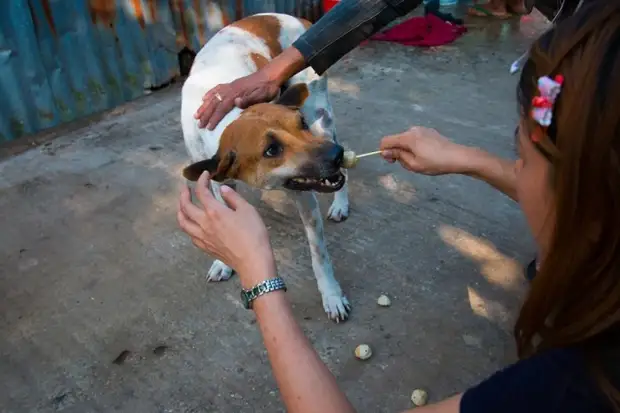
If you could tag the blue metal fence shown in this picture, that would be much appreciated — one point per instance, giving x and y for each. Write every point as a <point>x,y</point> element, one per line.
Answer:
<point>64,59</point>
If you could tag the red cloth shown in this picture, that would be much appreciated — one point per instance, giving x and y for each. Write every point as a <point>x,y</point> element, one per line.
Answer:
<point>425,31</point>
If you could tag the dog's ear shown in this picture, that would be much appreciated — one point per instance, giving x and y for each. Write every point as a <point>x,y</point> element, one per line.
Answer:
<point>217,167</point>
<point>295,96</point>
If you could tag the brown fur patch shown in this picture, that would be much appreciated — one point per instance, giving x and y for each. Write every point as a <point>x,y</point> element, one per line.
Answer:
<point>294,96</point>
<point>266,27</point>
<point>305,22</point>
<point>256,128</point>
<point>259,60</point>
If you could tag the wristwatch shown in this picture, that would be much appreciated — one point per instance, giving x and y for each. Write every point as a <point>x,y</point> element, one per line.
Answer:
<point>267,286</point>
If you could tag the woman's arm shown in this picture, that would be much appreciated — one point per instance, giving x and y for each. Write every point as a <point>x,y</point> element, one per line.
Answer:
<point>306,384</point>
<point>236,234</point>
<point>426,151</point>
<point>495,171</point>
<point>299,372</point>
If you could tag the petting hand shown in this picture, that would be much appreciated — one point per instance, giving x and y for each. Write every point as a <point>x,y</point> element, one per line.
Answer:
<point>424,151</point>
<point>243,92</point>
<point>233,233</point>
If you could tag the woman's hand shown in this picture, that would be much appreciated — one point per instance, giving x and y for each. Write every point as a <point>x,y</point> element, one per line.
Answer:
<point>243,92</point>
<point>234,233</point>
<point>425,151</point>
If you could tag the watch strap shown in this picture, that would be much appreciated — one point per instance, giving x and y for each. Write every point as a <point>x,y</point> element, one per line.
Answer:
<point>272,284</point>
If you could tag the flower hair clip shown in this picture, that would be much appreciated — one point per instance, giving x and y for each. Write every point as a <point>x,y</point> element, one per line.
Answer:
<point>542,105</point>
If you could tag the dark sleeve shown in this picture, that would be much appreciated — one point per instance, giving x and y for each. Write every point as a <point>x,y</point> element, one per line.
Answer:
<point>554,381</point>
<point>345,26</point>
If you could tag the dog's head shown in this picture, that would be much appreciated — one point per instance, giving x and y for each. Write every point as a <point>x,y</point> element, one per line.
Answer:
<point>271,146</point>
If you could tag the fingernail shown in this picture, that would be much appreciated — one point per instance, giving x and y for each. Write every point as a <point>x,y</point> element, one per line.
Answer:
<point>225,188</point>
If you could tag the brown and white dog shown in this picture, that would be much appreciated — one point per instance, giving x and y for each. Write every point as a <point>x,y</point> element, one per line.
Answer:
<point>288,144</point>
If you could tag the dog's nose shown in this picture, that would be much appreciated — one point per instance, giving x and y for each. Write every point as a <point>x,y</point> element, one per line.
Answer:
<point>335,154</point>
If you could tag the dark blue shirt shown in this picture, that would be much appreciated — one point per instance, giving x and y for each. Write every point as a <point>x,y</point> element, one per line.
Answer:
<point>553,381</point>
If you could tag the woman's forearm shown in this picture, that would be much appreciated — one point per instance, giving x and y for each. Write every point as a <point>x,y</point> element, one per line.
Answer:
<point>306,384</point>
<point>495,171</point>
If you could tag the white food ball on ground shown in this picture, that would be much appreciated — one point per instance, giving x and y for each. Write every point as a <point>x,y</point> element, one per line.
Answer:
<point>384,301</point>
<point>419,397</point>
<point>363,352</point>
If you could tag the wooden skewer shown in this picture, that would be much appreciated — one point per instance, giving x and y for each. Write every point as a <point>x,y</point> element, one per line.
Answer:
<point>351,158</point>
<point>363,155</point>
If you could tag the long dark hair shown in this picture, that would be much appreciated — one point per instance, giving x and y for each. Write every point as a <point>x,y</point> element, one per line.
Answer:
<point>575,298</point>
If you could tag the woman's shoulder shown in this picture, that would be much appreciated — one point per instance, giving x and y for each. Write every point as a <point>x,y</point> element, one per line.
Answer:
<point>553,380</point>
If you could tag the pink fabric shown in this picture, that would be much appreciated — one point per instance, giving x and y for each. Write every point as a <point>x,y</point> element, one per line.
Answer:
<point>427,31</point>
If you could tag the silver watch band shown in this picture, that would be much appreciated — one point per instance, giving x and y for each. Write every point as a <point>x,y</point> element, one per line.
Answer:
<point>267,286</point>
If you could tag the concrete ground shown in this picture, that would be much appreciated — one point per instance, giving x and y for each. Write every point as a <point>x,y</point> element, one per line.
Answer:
<point>104,305</point>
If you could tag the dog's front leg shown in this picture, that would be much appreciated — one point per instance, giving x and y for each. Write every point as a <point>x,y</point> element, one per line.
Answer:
<point>335,303</point>
<point>218,271</point>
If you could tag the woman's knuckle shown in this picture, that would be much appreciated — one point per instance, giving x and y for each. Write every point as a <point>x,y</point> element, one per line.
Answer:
<point>212,213</point>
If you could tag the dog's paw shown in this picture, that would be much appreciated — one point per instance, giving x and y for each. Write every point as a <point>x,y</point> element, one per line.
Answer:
<point>219,271</point>
<point>339,211</point>
<point>337,307</point>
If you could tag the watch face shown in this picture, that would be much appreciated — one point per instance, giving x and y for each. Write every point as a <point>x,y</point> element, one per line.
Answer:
<point>244,300</point>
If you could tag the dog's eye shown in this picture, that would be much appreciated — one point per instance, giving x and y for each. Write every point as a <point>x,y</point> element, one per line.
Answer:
<point>274,149</point>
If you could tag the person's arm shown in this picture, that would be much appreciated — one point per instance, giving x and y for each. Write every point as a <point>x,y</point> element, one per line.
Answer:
<point>495,171</point>
<point>300,373</point>
<point>306,384</point>
<point>345,26</point>
<point>334,35</point>
<point>426,151</point>
<point>236,234</point>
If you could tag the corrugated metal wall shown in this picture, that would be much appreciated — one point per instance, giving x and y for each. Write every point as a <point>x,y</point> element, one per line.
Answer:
<point>64,59</point>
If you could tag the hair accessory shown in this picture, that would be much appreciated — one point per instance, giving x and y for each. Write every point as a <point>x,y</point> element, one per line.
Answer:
<point>542,106</point>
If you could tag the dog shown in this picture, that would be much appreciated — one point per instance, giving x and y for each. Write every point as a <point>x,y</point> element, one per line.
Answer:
<point>288,144</point>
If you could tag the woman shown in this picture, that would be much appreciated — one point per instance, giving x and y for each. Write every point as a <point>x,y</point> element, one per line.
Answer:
<point>567,182</point>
